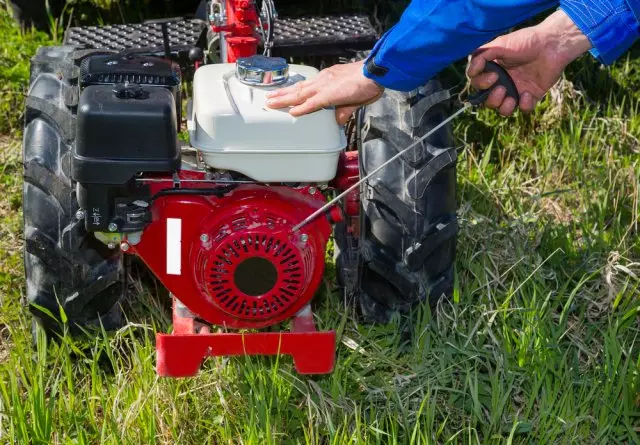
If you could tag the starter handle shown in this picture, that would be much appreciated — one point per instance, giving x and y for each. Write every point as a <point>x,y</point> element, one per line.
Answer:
<point>504,79</point>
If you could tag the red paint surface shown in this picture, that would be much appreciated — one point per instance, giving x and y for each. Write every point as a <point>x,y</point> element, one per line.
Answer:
<point>181,353</point>
<point>259,214</point>
<point>347,175</point>
<point>240,30</point>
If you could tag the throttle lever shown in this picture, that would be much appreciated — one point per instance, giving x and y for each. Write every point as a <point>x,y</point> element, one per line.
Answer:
<point>504,80</point>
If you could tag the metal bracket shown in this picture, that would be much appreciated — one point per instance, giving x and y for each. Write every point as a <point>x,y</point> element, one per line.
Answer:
<point>180,354</point>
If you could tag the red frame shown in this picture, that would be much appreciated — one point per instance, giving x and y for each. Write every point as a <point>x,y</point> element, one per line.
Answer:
<point>240,29</point>
<point>181,353</point>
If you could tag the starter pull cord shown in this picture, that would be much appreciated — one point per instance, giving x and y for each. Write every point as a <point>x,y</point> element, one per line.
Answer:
<point>475,100</point>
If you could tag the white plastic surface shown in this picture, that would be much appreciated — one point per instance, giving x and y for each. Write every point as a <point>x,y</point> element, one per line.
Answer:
<point>234,130</point>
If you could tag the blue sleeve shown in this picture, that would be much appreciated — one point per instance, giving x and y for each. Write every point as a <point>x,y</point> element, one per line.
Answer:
<point>611,25</point>
<point>432,34</point>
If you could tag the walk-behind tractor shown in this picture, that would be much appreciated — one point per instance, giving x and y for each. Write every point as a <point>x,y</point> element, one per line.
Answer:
<point>109,178</point>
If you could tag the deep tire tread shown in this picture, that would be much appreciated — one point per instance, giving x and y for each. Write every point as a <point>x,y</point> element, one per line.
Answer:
<point>409,207</point>
<point>63,267</point>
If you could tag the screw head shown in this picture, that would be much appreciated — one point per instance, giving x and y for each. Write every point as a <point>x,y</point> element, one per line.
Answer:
<point>304,237</point>
<point>312,190</point>
<point>113,227</point>
<point>111,246</point>
<point>80,214</point>
<point>204,238</point>
<point>124,246</point>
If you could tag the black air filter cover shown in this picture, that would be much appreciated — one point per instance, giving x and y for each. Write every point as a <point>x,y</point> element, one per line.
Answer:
<point>118,68</point>
<point>122,130</point>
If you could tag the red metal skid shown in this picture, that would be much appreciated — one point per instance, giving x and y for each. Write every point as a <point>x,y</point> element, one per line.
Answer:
<point>181,355</point>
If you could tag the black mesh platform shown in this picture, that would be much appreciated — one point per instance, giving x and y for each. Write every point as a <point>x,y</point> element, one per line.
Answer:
<point>303,36</point>
<point>184,34</point>
<point>323,35</point>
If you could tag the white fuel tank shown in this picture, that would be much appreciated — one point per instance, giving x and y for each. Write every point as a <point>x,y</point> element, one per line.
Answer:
<point>234,130</point>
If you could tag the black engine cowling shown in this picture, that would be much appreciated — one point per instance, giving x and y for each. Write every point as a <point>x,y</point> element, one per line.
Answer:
<point>128,121</point>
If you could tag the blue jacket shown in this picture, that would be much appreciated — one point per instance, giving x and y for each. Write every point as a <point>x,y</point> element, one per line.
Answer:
<point>432,34</point>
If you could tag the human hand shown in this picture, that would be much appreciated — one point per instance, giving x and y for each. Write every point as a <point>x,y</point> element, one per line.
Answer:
<point>343,86</point>
<point>535,58</point>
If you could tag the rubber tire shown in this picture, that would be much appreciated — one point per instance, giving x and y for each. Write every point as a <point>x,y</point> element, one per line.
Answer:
<point>65,267</point>
<point>408,219</point>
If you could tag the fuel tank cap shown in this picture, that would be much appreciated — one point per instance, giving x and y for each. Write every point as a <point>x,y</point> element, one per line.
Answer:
<point>262,70</point>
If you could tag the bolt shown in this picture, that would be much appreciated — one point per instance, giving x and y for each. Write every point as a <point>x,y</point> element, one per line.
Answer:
<point>312,190</point>
<point>124,246</point>
<point>204,238</point>
<point>304,237</point>
<point>111,246</point>
<point>113,227</point>
<point>80,214</point>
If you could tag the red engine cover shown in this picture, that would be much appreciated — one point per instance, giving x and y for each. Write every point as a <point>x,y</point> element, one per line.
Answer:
<point>234,260</point>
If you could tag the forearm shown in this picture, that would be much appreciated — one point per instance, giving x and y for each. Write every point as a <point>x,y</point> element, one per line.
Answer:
<point>563,39</point>
<point>432,34</point>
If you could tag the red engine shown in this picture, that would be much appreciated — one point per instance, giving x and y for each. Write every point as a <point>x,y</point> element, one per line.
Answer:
<point>231,259</point>
<point>234,260</point>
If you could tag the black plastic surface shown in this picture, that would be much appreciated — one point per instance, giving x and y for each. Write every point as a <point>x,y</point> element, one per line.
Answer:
<point>314,35</point>
<point>184,34</point>
<point>134,69</point>
<point>318,35</point>
<point>110,69</point>
<point>504,80</point>
<point>119,137</point>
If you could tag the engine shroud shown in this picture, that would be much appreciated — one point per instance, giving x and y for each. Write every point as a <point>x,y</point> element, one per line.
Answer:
<point>233,260</point>
<point>257,273</point>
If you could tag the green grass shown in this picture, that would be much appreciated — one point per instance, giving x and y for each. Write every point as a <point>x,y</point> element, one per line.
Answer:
<point>14,68</point>
<point>540,343</point>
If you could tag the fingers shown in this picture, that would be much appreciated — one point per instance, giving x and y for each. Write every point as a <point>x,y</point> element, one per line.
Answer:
<point>527,102</point>
<point>343,114</point>
<point>484,81</point>
<point>343,86</point>
<point>288,90</point>
<point>496,98</point>
<point>508,106</point>
<point>476,66</point>
<point>310,105</point>
<point>496,49</point>
<point>481,80</point>
<point>290,96</point>
<point>480,58</point>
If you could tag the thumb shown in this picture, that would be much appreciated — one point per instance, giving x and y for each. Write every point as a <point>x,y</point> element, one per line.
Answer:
<point>343,114</point>
<point>483,55</point>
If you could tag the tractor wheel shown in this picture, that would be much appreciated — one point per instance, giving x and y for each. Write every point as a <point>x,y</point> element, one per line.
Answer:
<point>66,267</point>
<point>408,222</point>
